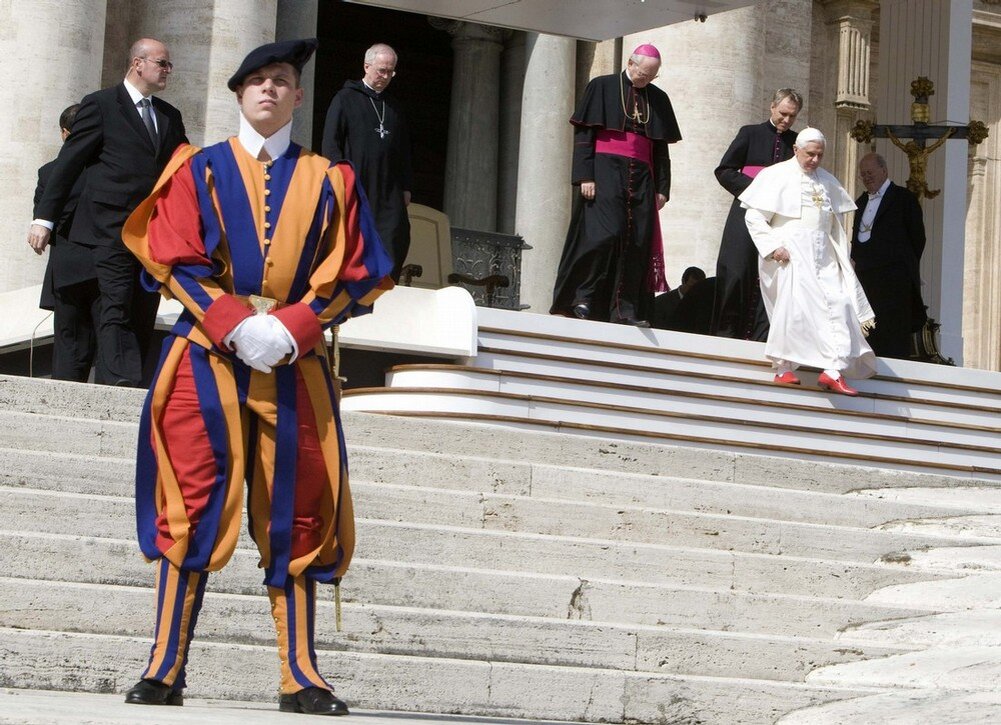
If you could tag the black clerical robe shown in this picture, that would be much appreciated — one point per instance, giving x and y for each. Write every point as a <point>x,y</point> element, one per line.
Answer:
<point>738,310</point>
<point>369,130</point>
<point>606,263</point>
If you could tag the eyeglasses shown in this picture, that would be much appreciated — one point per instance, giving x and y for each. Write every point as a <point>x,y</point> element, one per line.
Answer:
<point>163,63</point>
<point>384,72</point>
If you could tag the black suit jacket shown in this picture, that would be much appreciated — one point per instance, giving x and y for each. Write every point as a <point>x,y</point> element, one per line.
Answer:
<point>110,142</point>
<point>898,234</point>
<point>68,263</point>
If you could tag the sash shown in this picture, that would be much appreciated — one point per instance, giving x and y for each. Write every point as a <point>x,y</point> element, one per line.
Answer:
<point>751,171</point>
<point>634,146</point>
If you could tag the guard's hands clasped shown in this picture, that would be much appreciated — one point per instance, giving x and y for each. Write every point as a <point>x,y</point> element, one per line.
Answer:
<point>260,341</point>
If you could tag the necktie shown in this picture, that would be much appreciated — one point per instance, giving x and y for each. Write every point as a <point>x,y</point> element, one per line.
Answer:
<point>777,151</point>
<point>147,115</point>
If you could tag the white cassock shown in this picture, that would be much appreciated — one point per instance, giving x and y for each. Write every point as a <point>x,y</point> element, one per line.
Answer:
<point>816,307</point>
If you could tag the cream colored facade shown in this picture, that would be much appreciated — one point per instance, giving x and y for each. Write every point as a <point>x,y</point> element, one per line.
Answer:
<point>720,75</point>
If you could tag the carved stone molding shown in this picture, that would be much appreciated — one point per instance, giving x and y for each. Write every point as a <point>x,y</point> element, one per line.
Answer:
<point>853,20</point>
<point>462,30</point>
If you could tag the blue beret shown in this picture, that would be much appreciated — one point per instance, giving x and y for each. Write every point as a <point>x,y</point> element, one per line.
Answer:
<point>293,52</point>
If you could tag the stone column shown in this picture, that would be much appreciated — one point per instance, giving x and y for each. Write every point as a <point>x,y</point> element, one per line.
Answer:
<point>736,46</point>
<point>207,41</point>
<point>471,157</point>
<point>932,38</point>
<point>512,84</point>
<point>597,59</point>
<point>849,24</point>
<point>544,190</point>
<point>982,287</point>
<point>297,19</point>
<point>61,46</point>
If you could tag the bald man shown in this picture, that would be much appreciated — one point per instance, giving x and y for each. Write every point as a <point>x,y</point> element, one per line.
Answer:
<point>122,136</point>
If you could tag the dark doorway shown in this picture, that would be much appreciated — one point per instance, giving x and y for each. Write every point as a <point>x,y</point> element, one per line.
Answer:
<point>423,83</point>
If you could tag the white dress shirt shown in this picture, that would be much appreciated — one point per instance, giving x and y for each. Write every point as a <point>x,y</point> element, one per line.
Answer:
<point>136,96</point>
<point>869,215</point>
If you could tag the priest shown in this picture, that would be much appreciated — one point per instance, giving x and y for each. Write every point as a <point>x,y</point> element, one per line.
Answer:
<point>613,259</point>
<point>738,310</point>
<point>818,312</point>
<point>366,126</point>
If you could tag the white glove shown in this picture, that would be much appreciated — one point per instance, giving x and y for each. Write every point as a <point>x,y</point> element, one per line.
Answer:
<point>285,335</point>
<point>258,343</point>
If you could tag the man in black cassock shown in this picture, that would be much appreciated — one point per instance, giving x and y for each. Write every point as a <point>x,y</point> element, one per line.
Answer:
<point>366,126</point>
<point>613,258</point>
<point>738,310</point>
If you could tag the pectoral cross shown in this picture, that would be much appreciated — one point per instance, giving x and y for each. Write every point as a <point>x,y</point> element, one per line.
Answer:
<point>920,133</point>
<point>383,132</point>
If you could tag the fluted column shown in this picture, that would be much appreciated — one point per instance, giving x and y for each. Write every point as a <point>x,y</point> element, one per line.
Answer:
<point>849,24</point>
<point>207,41</point>
<point>61,47</point>
<point>471,157</point>
<point>544,190</point>
<point>297,19</point>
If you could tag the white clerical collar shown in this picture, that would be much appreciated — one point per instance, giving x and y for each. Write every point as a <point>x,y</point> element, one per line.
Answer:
<point>134,93</point>
<point>881,191</point>
<point>276,144</point>
<point>364,83</point>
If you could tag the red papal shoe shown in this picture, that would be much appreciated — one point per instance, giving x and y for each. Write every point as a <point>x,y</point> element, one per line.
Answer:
<point>787,378</point>
<point>836,386</point>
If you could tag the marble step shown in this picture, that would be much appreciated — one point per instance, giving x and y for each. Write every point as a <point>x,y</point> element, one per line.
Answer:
<point>105,663</point>
<point>780,405</point>
<point>521,332</point>
<point>113,517</point>
<point>127,611</point>
<point>22,400</point>
<point>751,384</point>
<point>103,475</point>
<point>715,432</point>
<point>92,560</point>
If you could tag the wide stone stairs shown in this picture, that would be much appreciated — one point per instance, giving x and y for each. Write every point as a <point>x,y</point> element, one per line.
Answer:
<point>525,574</point>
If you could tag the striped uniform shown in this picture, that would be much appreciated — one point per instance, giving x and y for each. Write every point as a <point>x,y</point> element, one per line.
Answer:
<point>218,227</point>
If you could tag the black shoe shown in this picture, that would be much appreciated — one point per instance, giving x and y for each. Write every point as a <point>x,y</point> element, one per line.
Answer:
<point>312,701</point>
<point>581,312</point>
<point>151,692</point>
<point>632,321</point>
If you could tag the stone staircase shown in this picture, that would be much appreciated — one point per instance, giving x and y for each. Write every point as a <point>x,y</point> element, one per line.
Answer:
<point>524,573</point>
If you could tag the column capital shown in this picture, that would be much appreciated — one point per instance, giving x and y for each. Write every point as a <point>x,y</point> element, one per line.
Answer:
<point>462,30</point>
<point>838,10</point>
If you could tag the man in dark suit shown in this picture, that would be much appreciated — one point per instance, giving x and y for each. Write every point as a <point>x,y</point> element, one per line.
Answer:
<point>122,137</point>
<point>666,306</point>
<point>69,287</point>
<point>738,310</point>
<point>888,237</point>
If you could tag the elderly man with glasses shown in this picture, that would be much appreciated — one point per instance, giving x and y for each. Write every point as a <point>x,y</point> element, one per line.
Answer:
<point>366,126</point>
<point>122,137</point>
<point>613,259</point>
